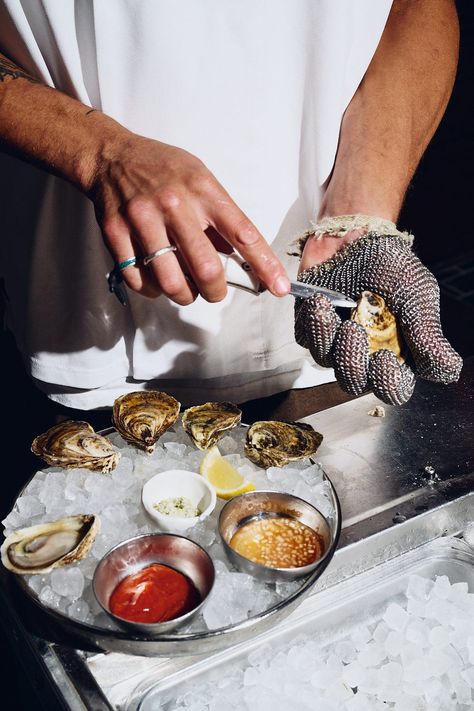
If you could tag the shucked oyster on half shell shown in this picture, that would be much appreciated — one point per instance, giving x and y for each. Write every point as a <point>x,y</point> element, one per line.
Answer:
<point>142,417</point>
<point>274,444</point>
<point>205,424</point>
<point>75,444</point>
<point>379,323</point>
<point>39,549</point>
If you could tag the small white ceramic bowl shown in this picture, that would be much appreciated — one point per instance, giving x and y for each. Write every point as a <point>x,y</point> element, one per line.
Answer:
<point>174,483</point>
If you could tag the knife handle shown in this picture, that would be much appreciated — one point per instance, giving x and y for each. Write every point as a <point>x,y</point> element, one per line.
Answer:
<point>239,273</point>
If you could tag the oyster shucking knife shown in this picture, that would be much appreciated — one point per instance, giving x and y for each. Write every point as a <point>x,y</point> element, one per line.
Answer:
<point>239,273</point>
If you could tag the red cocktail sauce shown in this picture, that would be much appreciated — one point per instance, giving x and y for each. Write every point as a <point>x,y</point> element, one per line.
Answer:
<point>155,594</point>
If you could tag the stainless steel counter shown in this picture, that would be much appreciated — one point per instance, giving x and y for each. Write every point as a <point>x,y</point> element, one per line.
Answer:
<point>402,480</point>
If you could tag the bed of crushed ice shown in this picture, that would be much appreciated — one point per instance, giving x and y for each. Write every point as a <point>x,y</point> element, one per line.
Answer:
<point>54,493</point>
<point>415,656</point>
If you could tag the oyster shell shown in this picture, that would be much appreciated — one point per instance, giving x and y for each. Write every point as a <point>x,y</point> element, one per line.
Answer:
<point>75,444</point>
<point>205,424</point>
<point>39,549</point>
<point>379,323</point>
<point>142,417</point>
<point>273,444</point>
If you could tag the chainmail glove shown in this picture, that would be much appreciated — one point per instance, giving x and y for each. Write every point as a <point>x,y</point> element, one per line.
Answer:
<point>385,265</point>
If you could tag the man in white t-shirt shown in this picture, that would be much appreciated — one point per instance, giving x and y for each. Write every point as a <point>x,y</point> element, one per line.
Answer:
<point>177,129</point>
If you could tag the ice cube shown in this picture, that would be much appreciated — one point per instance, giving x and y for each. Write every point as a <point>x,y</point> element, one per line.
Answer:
<point>439,662</point>
<point>394,643</point>
<point>417,632</point>
<point>381,632</point>
<point>395,617</point>
<point>416,607</point>
<point>49,598</point>
<point>79,610</point>
<point>360,636</point>
<point>352,673</point>
<point>372,654</point>
<point>468,676</point>
<point>251,676</point>
<point>345,650</point>
<point>29,506</point>
<point>418,587</point>
<point>227,445</point>
<point>441,587</point>
<point>439,636</point>
<point>68,582</point>
<point>459,592</point>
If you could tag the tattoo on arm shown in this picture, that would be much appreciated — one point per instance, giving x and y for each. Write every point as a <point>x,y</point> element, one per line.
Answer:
<point>9,70</point>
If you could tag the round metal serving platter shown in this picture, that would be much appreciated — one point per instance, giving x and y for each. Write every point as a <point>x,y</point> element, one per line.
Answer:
<point>78,634</point>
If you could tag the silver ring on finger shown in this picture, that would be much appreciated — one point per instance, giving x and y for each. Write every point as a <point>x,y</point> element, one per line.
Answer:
<point>159,252</point>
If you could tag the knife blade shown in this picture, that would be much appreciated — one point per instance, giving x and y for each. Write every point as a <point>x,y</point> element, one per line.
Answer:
<point>239,273</point>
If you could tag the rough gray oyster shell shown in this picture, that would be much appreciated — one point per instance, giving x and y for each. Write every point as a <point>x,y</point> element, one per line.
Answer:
<point>75,444</point>
<point>39,549</point>
<point>142,417</point>
<point>273,444</point>
<point>205,424</point>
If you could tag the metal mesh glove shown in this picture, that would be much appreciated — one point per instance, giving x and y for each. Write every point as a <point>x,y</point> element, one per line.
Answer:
<point>386,265</point>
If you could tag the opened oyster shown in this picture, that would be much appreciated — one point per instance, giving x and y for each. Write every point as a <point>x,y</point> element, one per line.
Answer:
<point>75,444</point>
<point>142,417</point>
<point>274,444</point>
<point>205,424</point>
<point>39,549</point>
<point>379,323</point>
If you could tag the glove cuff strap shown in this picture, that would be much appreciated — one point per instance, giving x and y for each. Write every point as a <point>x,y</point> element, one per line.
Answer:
<point>340,225</point>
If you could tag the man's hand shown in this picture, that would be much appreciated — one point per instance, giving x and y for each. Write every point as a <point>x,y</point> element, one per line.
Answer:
<point>385,265</point>
<point>385,129</point>
<point>148,195</point>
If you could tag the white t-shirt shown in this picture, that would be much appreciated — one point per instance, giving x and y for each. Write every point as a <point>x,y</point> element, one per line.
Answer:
<point>255,89</point>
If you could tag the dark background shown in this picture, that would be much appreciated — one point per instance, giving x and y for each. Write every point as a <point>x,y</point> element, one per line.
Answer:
<point>438,209</point>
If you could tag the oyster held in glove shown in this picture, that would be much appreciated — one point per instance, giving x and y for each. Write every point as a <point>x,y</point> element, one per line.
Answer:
<point>205,424</point>
<point>274,444</point>
<point>39,549</point>
<point>75,444</point>
<point>379,323</point>
<point>142,417</point>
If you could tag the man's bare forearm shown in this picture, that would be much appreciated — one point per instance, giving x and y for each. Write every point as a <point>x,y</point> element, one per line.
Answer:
<point>396,110</point>
<point>46,127</point>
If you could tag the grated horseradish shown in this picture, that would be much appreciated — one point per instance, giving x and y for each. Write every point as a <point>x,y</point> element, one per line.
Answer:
<point>179,506</point>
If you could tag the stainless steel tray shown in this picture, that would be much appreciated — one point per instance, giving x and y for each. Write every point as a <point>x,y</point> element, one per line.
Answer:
<point>66,630</point>
<point>330,615</point>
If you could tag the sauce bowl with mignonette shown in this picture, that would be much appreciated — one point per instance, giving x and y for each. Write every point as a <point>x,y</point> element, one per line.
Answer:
<point>275,536</point>
<point>178,499</point>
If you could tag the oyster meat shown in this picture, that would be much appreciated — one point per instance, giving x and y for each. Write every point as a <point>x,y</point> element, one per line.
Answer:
<point>75,444</point>
<point>142,417</point>
<point>379,323</point>
<point>273,444</point>
<point>39,549</point>
<point>205,424</point>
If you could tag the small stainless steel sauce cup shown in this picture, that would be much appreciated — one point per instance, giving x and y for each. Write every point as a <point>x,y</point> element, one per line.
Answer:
<point>258,504</point>
<point>139,552</point>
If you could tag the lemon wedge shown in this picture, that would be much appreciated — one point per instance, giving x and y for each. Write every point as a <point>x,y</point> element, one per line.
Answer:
<point>225,479</point>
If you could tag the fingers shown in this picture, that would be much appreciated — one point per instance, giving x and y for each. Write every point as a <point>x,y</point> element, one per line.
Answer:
<point>351,357</point>
<point>391,381</point>
<point>316,323</point>
<point>419,318</point>
<point>199,255</point>
<point>147,224</point>
<point>239,231</point>
<point>118,240</point>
